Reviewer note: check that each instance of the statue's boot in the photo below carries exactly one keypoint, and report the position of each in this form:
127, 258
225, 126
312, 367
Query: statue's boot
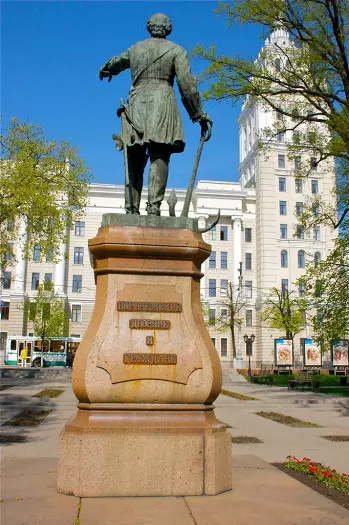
158, 174
137, 159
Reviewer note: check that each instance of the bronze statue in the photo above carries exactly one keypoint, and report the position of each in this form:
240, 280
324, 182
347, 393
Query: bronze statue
152, 126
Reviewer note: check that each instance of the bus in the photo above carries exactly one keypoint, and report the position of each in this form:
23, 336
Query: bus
26, 351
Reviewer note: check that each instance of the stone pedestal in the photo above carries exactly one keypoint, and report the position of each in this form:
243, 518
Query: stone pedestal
146, 372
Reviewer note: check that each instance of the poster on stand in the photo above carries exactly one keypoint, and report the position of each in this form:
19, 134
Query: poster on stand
283, 352
340, 353
312, 353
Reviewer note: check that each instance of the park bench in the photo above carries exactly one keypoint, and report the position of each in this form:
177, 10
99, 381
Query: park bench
303, 379
265, 376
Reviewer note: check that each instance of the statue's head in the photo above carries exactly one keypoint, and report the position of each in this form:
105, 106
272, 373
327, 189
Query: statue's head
159, 25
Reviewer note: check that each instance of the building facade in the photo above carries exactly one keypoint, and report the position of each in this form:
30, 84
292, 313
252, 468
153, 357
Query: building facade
256, 245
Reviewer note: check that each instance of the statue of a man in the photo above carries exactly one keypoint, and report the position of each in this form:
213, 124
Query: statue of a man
154, 126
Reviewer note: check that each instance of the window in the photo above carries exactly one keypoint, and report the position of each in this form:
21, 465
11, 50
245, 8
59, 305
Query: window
7, 280
281, 161
316, 209
248, 289
48, 278
224, 286
224, 233
9, 254
301, 288
248, 261
283, 231
224, 315
35, 281
313, 163
248, 234
280, 136
76, 313
282, 184
299, 209
49, 255
283, 208
248, 317
78, 255
297, 163
284, 259
79, 228
301, 259
212, 234
317, 259
299, 186
224, 347
300, 232
212, 260
296, 136
284, 286
5, 311
213, 339
77, 283
212, 287
277, 64
212, 317
314, 186
36, 253
224, 260
316, 233
3, 341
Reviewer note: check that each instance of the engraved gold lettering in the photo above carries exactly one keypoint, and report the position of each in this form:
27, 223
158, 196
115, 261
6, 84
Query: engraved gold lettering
149, 359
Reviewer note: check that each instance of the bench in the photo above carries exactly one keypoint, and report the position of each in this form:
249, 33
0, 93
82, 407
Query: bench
303, 379
265, 376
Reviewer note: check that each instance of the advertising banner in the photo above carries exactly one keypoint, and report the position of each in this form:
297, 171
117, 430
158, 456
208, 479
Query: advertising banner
312, 353
283, 352
340, 354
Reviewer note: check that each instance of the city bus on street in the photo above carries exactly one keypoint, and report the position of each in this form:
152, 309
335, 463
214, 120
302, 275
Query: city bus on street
26, 351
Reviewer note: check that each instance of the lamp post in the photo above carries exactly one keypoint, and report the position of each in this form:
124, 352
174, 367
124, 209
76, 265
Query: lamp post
248, 341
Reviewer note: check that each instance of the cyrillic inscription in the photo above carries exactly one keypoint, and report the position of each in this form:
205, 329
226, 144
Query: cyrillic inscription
146, 324
130, 306
150, 359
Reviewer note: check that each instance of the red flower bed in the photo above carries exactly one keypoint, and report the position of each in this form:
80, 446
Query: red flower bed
326, 475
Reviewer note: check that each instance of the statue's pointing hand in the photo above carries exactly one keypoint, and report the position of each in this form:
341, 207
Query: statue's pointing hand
105, 74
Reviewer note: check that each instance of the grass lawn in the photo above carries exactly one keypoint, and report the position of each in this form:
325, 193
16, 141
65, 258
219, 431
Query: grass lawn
335, 391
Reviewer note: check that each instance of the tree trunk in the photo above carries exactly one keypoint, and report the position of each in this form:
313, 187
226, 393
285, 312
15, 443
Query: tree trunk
232, 329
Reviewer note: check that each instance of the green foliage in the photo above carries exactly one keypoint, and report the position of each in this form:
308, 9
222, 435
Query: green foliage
283, 311
330, 477
43, 184
47, 312
309, 94
328, 294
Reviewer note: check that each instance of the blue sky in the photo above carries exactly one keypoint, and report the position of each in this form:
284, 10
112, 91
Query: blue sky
51, 55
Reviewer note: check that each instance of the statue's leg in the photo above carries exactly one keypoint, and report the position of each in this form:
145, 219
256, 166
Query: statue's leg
137, 159
158, 174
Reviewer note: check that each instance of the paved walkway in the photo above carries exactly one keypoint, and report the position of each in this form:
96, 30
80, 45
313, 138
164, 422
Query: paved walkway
261, 494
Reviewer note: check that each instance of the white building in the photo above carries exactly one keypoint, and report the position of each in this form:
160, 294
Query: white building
257, 229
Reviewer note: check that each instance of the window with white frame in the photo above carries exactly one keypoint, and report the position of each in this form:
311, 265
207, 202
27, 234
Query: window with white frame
211, 234
78, 255
281, 161
80, 228
212, 287
248, 234
248, 261
316, 233
248, 289
301, 259
284, 259
248, 317
77, 283
283, 208
224, 287
298, 185
224, 260
282, 183
283, 231
76, 313
224, 347
212, 260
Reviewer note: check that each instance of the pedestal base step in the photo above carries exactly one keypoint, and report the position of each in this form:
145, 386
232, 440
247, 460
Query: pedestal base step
180, 451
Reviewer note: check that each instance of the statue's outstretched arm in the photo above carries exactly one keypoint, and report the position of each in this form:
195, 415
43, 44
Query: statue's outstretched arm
115, 65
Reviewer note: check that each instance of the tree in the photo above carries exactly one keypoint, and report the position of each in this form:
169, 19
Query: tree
285, 312
327, 285
47, 313
304, 81
233, 304
43, 186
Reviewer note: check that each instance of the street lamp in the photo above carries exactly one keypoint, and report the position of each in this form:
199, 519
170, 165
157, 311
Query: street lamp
249, 341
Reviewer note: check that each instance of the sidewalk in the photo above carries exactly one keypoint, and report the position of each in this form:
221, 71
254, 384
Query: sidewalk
261, 494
